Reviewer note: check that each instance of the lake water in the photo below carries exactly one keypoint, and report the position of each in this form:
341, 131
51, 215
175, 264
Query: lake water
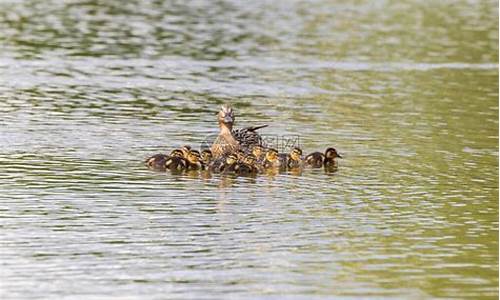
406, 91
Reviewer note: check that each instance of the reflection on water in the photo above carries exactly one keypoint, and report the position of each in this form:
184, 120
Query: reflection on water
407, 92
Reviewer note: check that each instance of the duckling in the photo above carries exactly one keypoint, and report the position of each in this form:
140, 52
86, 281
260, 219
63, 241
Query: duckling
330, 155
194, 161
290, 160
217, 163
318, 160
271, 159
247, 166
240, 154
229, 164
294, 158
315, 159
206, 157
258, 152
185, 150
156, 162
176, 161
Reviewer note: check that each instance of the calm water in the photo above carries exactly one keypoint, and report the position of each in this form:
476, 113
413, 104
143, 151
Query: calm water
407, 92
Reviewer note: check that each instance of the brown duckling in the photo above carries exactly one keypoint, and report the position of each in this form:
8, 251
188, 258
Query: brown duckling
318, 160
330, 155
247, 166
315, 159
294, 159
217, 163
206, 157
240, 154
220, 164
185, 150
156, 162
229, 164
194, 161
176, 161
290, 160
271, 159
259, 153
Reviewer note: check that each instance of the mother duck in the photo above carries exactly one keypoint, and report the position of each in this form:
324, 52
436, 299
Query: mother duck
229, 140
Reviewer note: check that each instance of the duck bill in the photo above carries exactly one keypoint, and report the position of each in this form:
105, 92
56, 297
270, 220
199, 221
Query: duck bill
338, 155
228, 120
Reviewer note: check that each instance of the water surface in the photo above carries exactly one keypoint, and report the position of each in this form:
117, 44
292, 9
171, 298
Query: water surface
407, 92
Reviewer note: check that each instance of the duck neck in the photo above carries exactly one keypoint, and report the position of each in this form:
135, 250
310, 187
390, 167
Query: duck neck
225, 129
225, 142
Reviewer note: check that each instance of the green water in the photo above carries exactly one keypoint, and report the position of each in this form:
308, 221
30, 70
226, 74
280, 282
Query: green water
406, 91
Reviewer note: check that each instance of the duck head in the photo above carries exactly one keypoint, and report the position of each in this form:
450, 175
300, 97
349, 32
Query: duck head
177, 153
206, 156
249, 159
231, 159
257, 151
240, 154
296, 153
226, 116
332, 153
272, 155
185, 150
193, 156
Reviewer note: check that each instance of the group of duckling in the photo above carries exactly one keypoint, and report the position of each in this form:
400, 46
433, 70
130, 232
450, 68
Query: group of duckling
258, 160
240, 152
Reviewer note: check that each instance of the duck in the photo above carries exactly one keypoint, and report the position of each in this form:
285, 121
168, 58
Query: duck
240, 154
225, 143
294, 159
156, 162
185, 150
315, 159
206, 157
229, 140
290, 160
194, 162
229, 164
247, 166
330, 155
217, 163
176, 161
220, 164
271, 159
259, 152
318, 159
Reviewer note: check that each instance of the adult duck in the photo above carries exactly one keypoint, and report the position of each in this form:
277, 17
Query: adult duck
230, 140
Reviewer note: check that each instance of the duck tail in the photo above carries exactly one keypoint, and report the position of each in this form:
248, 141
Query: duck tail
254, 128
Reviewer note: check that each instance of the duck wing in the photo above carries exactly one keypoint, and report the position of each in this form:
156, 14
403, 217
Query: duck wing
248, 137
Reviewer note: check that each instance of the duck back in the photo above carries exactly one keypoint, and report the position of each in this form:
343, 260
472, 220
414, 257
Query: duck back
157, 162
175, 163
315, 159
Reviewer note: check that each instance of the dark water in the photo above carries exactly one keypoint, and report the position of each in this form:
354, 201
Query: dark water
406, 91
